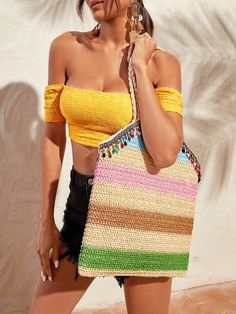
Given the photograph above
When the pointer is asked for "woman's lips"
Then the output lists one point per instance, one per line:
(96, 5)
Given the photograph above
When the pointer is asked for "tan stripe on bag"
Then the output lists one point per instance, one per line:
(174, 205)
(109, 237)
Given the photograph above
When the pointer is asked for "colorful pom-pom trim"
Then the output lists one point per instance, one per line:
(119, 141)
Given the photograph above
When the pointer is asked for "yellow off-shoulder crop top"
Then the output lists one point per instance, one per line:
(92, 116)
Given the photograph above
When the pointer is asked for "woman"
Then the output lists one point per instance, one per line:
(88, 74)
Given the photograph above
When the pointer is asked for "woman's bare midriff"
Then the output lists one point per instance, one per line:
(84, 158)
(96, 59)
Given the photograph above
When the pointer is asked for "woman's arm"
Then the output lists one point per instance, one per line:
(162, 131)
(52, 153)
(54, 136)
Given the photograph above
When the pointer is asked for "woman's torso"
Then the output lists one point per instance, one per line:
(95, 66)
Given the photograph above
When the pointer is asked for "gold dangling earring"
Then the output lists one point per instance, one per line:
(96, 29)
(135, 17)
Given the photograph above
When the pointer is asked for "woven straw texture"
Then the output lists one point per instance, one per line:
(140, 217)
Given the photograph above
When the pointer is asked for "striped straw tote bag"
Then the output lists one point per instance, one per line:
(140, 217)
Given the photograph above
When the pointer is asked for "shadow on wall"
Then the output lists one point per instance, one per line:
(54, 13)
(207, 55)
(210, 121)
(20, 132)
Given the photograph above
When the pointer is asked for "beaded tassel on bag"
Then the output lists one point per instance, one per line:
(140, 217)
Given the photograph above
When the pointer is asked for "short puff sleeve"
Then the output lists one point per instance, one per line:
(170, 99)
(52, 112)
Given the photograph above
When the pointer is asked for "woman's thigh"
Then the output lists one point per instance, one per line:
(147, 294)
(61, 295)
(64, 292)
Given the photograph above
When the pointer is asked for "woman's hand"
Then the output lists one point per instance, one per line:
(48, 238)
(141, 47)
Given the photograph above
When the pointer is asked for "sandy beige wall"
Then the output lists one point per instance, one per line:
(202, 35)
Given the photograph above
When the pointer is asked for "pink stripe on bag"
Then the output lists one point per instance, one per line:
(141, 179)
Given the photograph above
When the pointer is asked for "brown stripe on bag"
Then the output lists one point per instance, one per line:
(143, 220)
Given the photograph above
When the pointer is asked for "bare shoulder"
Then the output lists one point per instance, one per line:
(71, 37)
(63, 45)
(65, 38)
(168, 68)
(164, 57)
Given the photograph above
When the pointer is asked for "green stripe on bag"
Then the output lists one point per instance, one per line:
(100, 258)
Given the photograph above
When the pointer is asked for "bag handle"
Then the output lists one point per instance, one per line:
(133, 93)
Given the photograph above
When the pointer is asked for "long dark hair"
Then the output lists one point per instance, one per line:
(147, 20)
